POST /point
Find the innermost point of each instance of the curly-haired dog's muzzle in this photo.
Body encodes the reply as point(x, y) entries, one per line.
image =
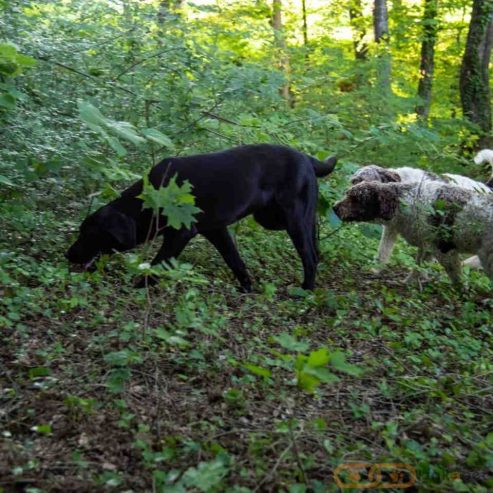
point(342, 209)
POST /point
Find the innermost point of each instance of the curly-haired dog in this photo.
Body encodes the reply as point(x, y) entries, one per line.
point(444, 220)
point(406, 174)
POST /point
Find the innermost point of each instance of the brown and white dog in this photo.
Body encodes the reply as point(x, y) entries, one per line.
point(406, 174)
point(442, 220)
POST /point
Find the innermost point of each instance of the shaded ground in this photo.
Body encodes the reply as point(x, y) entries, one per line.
point(104, 388)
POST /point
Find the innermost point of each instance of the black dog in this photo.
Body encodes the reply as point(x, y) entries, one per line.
point(274, 183)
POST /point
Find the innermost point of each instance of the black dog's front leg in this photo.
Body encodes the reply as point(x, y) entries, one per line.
point(174, 241)
point(223, 242)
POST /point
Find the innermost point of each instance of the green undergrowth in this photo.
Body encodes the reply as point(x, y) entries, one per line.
point(192, 386)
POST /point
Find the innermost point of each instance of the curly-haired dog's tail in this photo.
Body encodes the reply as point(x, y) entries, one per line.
point(486, 155)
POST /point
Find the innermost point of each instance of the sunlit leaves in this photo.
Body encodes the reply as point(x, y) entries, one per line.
point(312, 369)
point(12, 62)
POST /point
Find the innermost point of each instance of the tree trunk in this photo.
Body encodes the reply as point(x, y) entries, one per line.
point(381, 32)
point(380, 20)
point(305, 25)
point(280, 45)
point(474, 72)
point(168, 8)
point(430, 28)
point(358, 28)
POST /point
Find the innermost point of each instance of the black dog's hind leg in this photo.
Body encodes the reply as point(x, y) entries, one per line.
point(174, 241)
point(223, 242)
point(303, 234)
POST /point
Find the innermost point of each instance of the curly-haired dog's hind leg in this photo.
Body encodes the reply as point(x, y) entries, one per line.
point(485, 255)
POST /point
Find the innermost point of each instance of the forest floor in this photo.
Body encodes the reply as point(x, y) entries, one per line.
point(193, 386)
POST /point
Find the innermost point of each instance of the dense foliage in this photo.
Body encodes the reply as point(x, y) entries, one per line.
point(191, 386)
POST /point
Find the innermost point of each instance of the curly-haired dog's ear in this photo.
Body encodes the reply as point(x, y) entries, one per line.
point(388, 176)
point(388, 199)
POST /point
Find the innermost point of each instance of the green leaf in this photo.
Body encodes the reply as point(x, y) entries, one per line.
point(159, 138)
point(90, 114)
point(174, 201)
point(328, 446)
point(318, 358)
point(298, 292)
point(116, 146)
point(323, 375)
point(12, 62)
point(117, 378)
point(287, 341)
point(5, 181)
point(338, 361)
point(7, 101)
point(297, 488)
point(39, 372)
point(258, 370)
point(97, 122)
point(122, 358)
point(42, 429)
point(371, 230)
point(206, 475)
point(126, 131)
point(307, 382)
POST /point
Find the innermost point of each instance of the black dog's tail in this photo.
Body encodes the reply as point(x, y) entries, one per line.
point(323, 168)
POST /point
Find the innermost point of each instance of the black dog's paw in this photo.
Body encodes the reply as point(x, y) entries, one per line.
point(246, 288)
point(145, 282)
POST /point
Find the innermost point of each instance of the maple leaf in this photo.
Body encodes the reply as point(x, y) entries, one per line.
point(175, 202)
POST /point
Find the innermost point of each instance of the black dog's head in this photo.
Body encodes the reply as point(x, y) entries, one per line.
point(368, 201)
point(105, 231)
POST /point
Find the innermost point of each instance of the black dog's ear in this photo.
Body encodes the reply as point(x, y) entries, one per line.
point(122, 228)
point(389, 176)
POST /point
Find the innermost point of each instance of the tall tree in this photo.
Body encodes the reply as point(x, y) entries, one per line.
point(305, 24)
point(169, 7)
point(474, 72)
point(280, 45)
point(359, 31)
point(381, 33)
point(380, 20)
point(426, 67)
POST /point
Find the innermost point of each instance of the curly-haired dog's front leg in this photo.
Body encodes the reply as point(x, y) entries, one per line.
point(387, 242)
point(416, 275)
point(452, 265)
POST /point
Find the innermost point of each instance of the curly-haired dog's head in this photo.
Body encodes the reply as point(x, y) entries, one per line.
point(368, 201)
point(372, 172)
